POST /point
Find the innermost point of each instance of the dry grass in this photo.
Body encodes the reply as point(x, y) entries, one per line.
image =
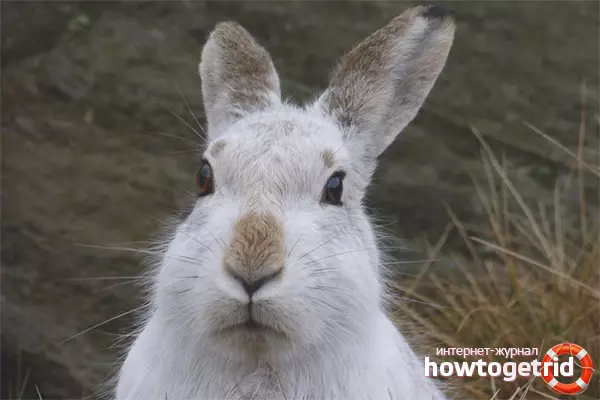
point(529, 278)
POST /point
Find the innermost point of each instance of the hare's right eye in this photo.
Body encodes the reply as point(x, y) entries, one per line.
point(332, 193)
point(204, 180)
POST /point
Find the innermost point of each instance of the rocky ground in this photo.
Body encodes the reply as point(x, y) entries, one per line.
point(86, 93)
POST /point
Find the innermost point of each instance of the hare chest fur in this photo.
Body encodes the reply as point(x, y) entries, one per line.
point(382, 367)
point(272, 287)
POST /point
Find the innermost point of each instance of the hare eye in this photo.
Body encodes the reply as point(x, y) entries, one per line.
point(204, 180)
point(332, 194)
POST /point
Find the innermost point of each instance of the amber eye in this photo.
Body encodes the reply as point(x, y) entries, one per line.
point(204, 180)
point(332, 194)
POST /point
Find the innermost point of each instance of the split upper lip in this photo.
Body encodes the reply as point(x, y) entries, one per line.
point(253, 325)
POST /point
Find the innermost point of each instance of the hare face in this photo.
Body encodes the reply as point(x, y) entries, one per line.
point(278, 253)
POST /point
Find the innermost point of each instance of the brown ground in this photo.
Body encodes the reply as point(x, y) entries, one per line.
point(84, 87)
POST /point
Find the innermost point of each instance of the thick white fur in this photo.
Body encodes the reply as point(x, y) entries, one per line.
point(335, 340)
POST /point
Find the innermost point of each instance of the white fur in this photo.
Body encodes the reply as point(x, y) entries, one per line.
point(335, 340)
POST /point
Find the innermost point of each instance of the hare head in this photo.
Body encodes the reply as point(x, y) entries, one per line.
point(278, 253)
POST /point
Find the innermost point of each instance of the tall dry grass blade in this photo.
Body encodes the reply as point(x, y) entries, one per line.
point(433, 254)
point(37, 389)
point(528, 260)
point(516, 195)
point(594, 169)
point(580, 145)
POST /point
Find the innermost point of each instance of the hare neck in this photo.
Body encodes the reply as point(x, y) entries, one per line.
point(305, 372)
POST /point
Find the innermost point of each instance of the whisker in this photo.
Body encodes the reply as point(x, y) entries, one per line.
point(293, 247)
point(101, 323)
point(120, 284)
point(339, 254)
point(411, 261)
point(127, 249)
point(116, 248)
point(403, 248)
point(174, 152)
point(323, 288)
point(322, 271)
point(203, 137)
point(338, 149)
point(121, 339)
point(197, 241)
point(187, 192)
point(178, 117)
point(176, 137)
point(187, 259)
point(323, 302)
point(316, 248)
point(222, 246)
point(394, 222)
point(101, 278)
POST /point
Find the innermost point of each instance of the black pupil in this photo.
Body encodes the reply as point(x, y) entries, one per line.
point(205, 180)
point(333, 190)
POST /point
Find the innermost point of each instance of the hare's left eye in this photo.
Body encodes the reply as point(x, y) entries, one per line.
point(332, 193)
point(204, 180)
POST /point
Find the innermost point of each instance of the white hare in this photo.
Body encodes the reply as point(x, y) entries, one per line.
point(271, 288)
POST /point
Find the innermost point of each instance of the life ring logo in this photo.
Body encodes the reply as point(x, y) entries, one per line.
point(586, 365)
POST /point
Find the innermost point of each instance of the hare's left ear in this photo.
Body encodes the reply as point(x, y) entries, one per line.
point(379, 86)
point(238, 76)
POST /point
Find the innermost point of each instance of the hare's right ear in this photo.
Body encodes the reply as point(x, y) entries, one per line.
point(238, 77)
point(379, 86)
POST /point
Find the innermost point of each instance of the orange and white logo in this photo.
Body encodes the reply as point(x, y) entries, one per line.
point(573, 350)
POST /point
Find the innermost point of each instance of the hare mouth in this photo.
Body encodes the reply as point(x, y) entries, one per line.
point(252, 326)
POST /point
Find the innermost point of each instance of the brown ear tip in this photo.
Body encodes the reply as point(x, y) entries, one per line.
point(436, 11)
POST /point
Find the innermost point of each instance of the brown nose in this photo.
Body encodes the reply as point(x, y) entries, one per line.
point(256, 253)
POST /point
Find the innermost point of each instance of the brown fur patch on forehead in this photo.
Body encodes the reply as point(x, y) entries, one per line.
point(328, 158)
point(257, 248)
point(217, 147)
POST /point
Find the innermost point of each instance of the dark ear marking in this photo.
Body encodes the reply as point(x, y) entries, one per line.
point(379, 86)
point(437, 11)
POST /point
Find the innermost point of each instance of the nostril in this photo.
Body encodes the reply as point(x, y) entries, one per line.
point(252, 286)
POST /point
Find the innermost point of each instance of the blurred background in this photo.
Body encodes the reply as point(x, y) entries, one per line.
point(98, 149)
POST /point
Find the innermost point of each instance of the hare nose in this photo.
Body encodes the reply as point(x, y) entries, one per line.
point(252, 286)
